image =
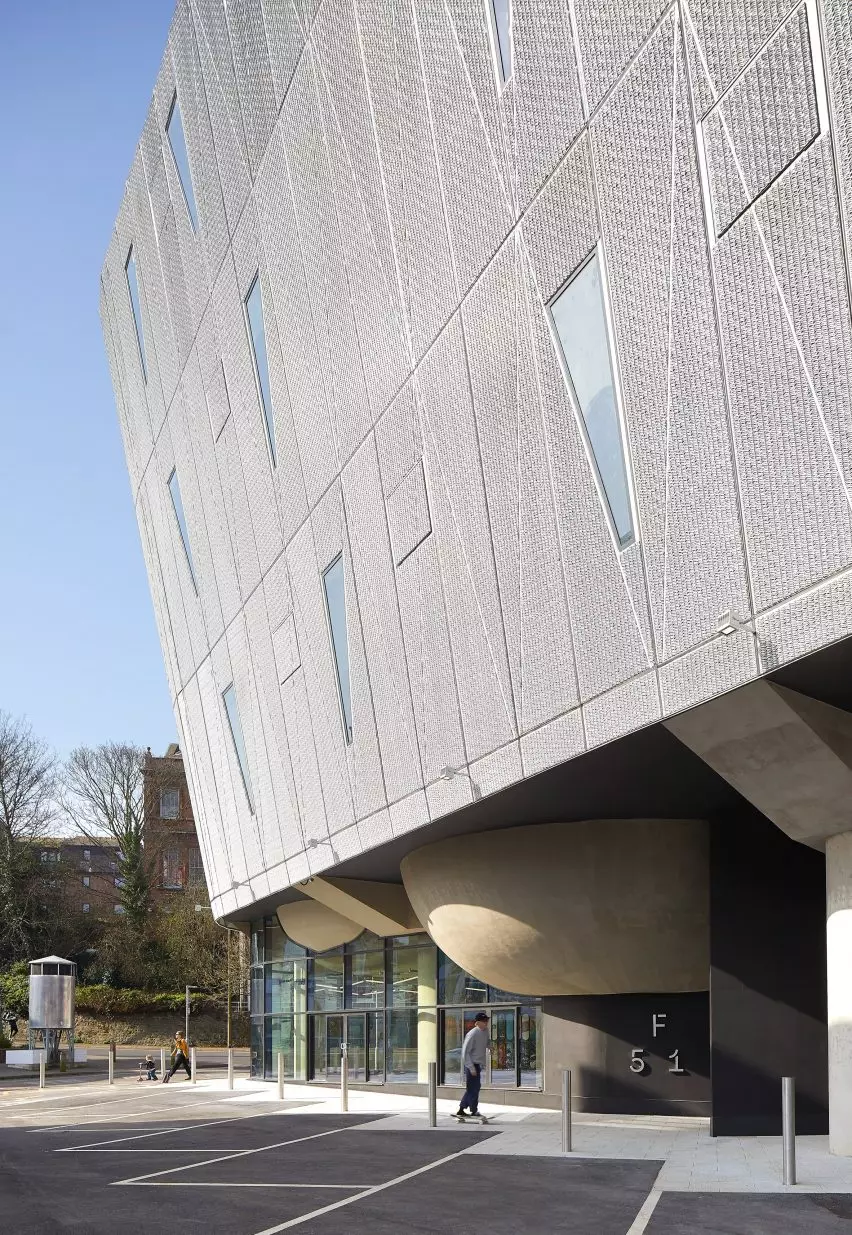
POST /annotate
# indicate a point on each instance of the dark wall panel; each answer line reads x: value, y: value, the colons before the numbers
x: 619, y: 1063
x: 767, y: 981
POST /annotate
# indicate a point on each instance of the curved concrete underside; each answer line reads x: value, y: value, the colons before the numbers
x: 316, y: 926
x: 606, y: 906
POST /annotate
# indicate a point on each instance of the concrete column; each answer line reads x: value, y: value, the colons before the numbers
x: 427, y: 1015
x: 838, y: 876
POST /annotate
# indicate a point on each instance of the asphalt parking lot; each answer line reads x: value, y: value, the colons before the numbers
x: 95, y: 1160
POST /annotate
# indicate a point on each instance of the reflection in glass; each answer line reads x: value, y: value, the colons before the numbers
x: 286, y: 987
x: 326, y: 991
x: 502, y: 10
x: 257, y: 956
x: 133, y: 289
x: 356, y: 1045
x: 177, y: 141
x: 411, y: 970
x: 328, y: 1038
x: 177, y: 505
x: 256, y: 1066
x: 274, y: 940
x: 279, y: 1037
x: 457, y: 1022
x: 504, y: 1063
x: 257, y: 334
x: 529, y: 1028
x: 256, y: 992
x: 335, y: 600
x: 229, y: 698
x: 580, y: 320
x: 376, y: 1047
x: 457, y: 986
x: 402, y: 1045
x: 368, y: 979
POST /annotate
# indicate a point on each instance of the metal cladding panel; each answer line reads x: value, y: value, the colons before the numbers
x: 253, y: 73
x: 477, y: 190
x: 375, y: 585
x: 767, y: 118
x: 413, y: 192
x: 548, y: 109
x: 223, y: 104
x: 785, y: 318
x: 672, y: 376
x: 411, y: 219
x: 610, y: 35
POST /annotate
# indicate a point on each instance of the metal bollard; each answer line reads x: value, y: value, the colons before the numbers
x: 193, y: 1066
x: 110, y: 1067
x: 344, y: 1079
x: 566, y: 1111
x: 280, y: 1076
x: 788, y: 1127
x: 230, y: 1067
x: 162, y: 1061
x: 42, y: 1070
x: 433, y: 1094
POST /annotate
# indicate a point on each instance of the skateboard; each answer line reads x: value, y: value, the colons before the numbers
x: 483, y: 1119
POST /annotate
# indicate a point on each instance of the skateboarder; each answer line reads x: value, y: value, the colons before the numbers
x: 473, y: 1057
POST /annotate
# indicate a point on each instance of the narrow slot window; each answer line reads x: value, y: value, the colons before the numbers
x: 229, y: 698
x: 579, y: 315
x: 257, y: 334
x: 335, y: 603
x: 177, y: 504
x: 135, y: 304
x: 177, y: 142
x: 500, y: 12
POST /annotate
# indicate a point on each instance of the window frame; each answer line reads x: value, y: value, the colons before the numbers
x: 136, y: 308
x: 183, y: 526
x: 503, y: 78
x: 191, y: 207
x: 346, y: 721
x: 238, y: 746
x: 597, y: 253
x: 176, y: 792
x: 268, y: 412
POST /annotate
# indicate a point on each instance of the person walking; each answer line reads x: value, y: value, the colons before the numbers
x: 473, y: 1057
x: 180, y: 1058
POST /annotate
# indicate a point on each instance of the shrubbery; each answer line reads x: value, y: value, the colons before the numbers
x: 106, y: 1000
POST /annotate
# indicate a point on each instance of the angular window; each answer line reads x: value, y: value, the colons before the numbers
x: 229, y: 698
x: 135, y: 304
x: 85, y: 907
x: 85, y: 881
x: 177, y: 141
x: 257, y: 334
x: 118, y: 909
x: 335, y: 603
x: 174, y: 489
x: 169, y: 803
x: 579, y: 316
x: 500, y: 12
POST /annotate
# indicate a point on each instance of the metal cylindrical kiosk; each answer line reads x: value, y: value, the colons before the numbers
x: 52, y: 994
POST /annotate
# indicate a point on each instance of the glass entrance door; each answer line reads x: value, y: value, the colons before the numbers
x: 328, y: 1039
x: 503, y: 1064
x: 356, y: 1042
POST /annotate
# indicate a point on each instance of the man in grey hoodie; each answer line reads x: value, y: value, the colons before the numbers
x: 473, y: 1057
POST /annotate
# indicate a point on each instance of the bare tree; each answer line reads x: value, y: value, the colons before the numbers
x: 27, y: 807
x: 104, y: 794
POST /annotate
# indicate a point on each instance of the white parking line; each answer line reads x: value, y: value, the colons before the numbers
x: 640, y: 1222
x: 212, y: 1123
x: 151, y: 1110
x: 228, y: 1157
x: 154, y: 1149
x: 350, y: 1200
x: 176, y: 1183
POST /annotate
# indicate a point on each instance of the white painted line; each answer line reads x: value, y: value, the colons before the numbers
x: 243, y: 1153
x: 391, y: 1183
x: 212, y: 1123
x: 152, y: 1110
x: 641, y: 1220
x: 154, y: 1149
x: 178, y: 1183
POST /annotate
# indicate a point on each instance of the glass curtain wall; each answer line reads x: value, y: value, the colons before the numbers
x: 396, y: 1003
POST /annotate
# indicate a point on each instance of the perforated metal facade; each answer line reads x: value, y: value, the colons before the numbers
x: 410, y: 220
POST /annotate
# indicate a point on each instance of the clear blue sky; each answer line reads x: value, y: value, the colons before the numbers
x: 79, y: 653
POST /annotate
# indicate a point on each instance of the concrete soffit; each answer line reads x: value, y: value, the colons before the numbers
x: 315, y: 926
x: 383, y: 908
x: 786, y: 753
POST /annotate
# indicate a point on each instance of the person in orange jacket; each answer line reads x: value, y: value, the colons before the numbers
x: 180, y: 1058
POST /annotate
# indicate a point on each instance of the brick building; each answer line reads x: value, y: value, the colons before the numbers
x: 170, y: 825
x: 87, y: 868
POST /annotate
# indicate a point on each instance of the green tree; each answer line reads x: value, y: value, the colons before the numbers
x: 104, y: 794
x: 30, y: 894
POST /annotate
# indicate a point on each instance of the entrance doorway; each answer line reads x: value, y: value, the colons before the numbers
x: 363, y: 1034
